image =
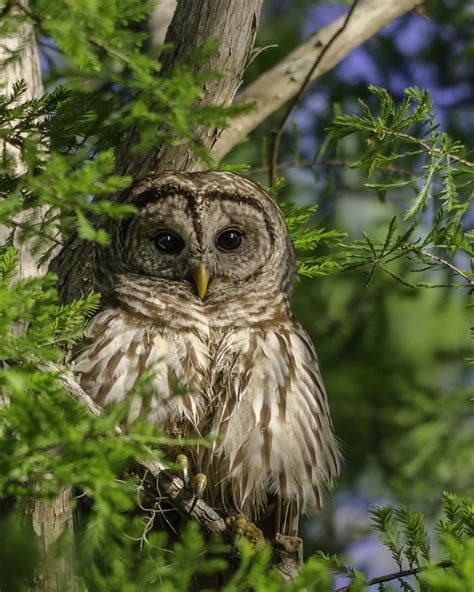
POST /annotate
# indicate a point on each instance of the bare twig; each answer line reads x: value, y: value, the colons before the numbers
x: 329, y: 162
x: 400, y: 574
x: 297, y: 164
x: 279, y: 130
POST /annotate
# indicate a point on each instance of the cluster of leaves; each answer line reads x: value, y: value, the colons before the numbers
x: 48, y: 437
x: 404, y: 151
x: 403, y: 532
x: 406, y: 160
x: 402, y: 348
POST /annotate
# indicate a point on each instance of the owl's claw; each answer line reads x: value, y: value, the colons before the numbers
x: 182, y: 460
x: 198, y: 485
x: 242, y: 528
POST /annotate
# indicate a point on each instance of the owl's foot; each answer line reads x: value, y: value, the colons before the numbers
x: 242, y: 528
x: 197, y: 484
x: 182, y: 460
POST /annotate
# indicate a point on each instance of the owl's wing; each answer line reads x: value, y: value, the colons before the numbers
x: 279, y: 439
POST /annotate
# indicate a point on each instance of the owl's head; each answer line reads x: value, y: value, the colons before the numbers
x: 209, y: 233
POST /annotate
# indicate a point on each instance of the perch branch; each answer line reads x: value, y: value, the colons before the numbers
x: 277, y: 85
x: 165, y: 482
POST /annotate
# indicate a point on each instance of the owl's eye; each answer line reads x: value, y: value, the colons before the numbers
x: 229, y: 240
x: 168, y: 242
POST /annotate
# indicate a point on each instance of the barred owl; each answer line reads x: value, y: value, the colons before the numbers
x: 196, y: 285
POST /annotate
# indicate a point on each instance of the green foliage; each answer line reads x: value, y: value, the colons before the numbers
x: 400, y: 140
x: 306, y: 238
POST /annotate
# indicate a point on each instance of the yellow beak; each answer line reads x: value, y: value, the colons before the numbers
x: 201, y: 278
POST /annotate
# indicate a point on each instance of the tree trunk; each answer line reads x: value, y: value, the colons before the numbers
x: 234, y: 25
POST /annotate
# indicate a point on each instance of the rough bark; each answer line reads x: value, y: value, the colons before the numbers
x: 234, y: 25
x: 26, y: 66
x: 279, y: 84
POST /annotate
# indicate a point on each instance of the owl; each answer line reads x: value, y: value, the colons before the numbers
x: 196, y: 286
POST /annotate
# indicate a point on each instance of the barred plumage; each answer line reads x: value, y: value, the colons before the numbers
x: 254, y: 379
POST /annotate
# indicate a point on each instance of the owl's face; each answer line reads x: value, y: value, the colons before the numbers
x: 209, y: 232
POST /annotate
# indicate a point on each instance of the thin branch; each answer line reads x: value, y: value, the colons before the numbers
x: 330, y: 162
x: 297, y: 164
x: 450, y: 265
x: 401, y: 574
x: 279, y: 130
x: 425, y: 145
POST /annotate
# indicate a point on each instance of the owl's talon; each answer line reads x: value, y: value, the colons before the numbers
x: 198, y: 485
x: 242, y: 528
x: 182, y: 460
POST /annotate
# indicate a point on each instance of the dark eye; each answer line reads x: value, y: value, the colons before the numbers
x: 229, y: 240
x: 168, y: 242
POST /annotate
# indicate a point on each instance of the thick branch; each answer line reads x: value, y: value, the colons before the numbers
x: 279, y: 130
x: 275, y: 87
x: 24, y: 66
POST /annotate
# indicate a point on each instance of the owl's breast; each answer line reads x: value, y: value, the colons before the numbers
x: 119, y: 354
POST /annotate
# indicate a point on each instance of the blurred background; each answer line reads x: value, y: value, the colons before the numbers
x: 393, y: 357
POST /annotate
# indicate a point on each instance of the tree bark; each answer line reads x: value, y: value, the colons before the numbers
x: 279, y: 84
x: 26, y: 66
x: 234, y: 25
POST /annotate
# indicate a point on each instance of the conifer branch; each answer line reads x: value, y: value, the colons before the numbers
x: 427, y: 147
x: 401, y: 574
x: 324, y: 162
x: 450, y: 265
